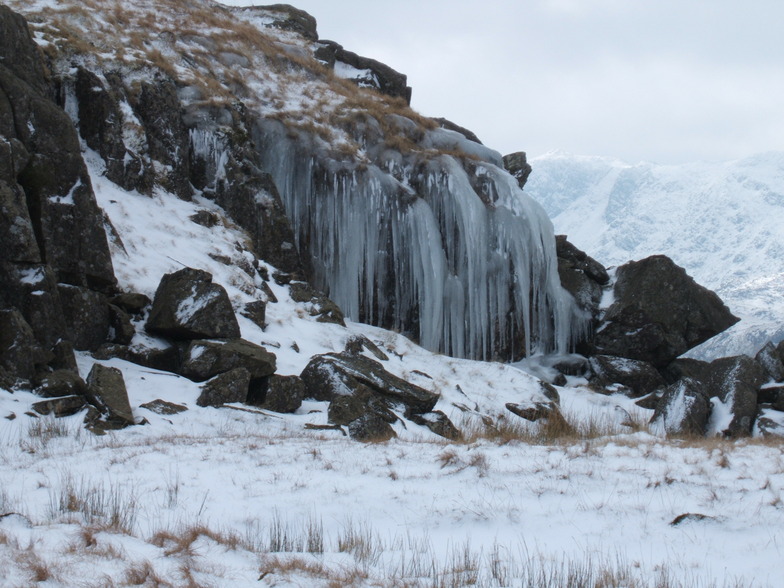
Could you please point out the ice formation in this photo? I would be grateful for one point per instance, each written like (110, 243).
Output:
(453, 254)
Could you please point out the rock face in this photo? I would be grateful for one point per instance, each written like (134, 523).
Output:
(658, 313)
(188, 305)
(51, 229)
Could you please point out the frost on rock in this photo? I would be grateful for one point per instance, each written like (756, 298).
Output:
(454, 255)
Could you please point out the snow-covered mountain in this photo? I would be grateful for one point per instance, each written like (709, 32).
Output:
(720, 221)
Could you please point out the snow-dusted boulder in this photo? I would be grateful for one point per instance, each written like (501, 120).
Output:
(106, 391)
(640, 377)
(188, 305)
(735, 382)
(684, 409)
(658, 313)
(225, 388)
(281, 394)
(204, 359)
(770, 359)
(19, 351)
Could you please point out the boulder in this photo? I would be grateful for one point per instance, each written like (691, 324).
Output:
(658, 313)
(772, 395)
(165, 359)
(339, 374)
(131, 302)
(61, 407)
(281, 394)
(256, 311)
(686, 367)
(60, 383)
(205, 359)
(371, 428)
(121, 329)
(684, 409)
(106, 391)
(580, 275)
(163, 407)
(736, 381)
(517, 165)
(188, 305)
(640, 377)
(229, 387)
(357, 343)
(532, 411)
(770, 359)
(438, 423)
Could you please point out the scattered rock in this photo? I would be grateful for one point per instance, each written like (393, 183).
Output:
(690, 517)
(226, 388)
(438, 423)
(106, 391)
(188, 305)
(357, 343)
(163, 407)
(61, 407)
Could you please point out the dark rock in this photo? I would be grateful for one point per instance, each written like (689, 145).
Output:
(205, 359)
(163, 407)
(228, 387)
(188, 305)
(773, 395)
(256, 311)
(17, 237)
(338, 374)
(684, 409)
(205, 218)
(438, 423)
(651, 401)
(346, 408)
(87, 316)
(640, 377)
(322, 307)
(106, 391)
(20, 354)
(517, 165)
(60, 383)
(573, 365)
(450, 126)
(770, 428)
(686, 367)
(382, 77)
(532, 411)
(581, 276)
(286, 18)
(63, 357)
(282, 394)
(736, 381)
(371, 428)
(768, 357)
(61, 407)
(578, 259)
(131, 302)
(357, 343)
(16, 42)
(121, 329)
(690, 517)
(166, 359)
(659, 313)
(550, 392)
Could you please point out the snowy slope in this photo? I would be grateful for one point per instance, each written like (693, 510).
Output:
(721, 221)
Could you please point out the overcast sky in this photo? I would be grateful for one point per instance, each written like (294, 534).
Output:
(658, 80)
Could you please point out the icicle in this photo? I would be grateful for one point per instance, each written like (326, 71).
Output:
(475, 278)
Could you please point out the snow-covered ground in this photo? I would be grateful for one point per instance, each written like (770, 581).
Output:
(720, 221)
(241, 497)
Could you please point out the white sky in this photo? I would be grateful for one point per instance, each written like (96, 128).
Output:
(660, 80)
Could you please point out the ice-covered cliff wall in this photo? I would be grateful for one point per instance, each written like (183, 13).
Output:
(444, 247)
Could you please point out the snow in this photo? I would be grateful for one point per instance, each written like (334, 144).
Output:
(720, 221)
(238, 481)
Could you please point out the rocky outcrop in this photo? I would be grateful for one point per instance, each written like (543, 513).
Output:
(517, 165)
(658, 313)
(188, 305)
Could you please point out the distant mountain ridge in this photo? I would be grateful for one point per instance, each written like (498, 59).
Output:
(721, 221)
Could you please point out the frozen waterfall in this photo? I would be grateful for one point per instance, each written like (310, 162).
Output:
(409, 243)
